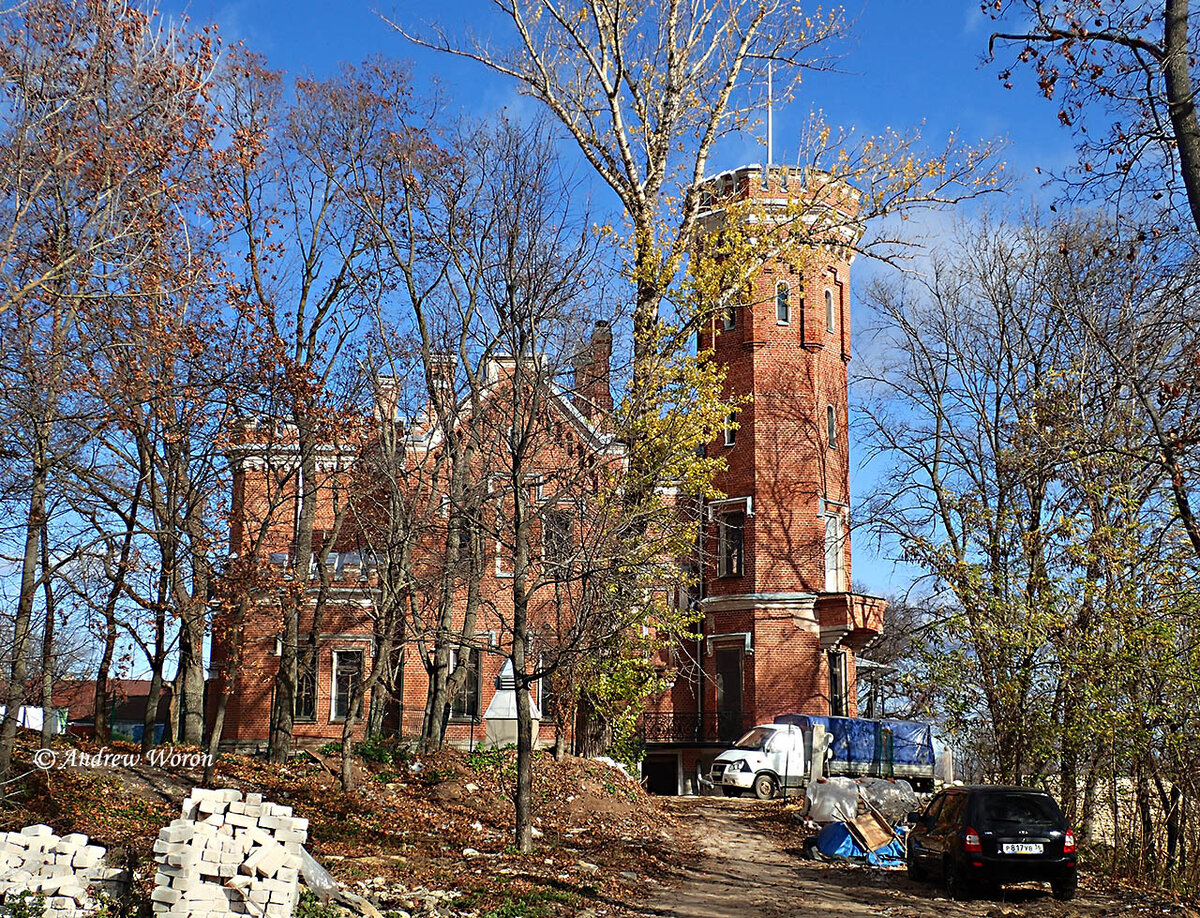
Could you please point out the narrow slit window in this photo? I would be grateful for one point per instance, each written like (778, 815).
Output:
(731, 426)
(831, 426)
(729, 318)
(829, 310)
(783, 306)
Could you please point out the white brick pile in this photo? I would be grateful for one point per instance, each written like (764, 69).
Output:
(228, 856)
(61, 869)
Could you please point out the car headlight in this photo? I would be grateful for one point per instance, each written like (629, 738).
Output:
(745, 766)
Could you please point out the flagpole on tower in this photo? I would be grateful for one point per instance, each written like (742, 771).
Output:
(770, 121)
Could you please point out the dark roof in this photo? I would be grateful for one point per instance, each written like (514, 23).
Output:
(128, 699)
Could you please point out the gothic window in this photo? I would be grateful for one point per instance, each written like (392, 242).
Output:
(730, 544)
(783, 308)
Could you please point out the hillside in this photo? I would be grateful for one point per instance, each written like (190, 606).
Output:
(427, 835)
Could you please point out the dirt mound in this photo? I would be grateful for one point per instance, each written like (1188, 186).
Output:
(434, 829)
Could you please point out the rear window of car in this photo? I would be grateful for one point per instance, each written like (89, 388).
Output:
(1019, 809)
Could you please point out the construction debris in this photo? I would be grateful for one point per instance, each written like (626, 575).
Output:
(229, 856)
(61, 869)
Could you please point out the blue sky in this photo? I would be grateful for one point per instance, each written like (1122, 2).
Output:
(909, 64)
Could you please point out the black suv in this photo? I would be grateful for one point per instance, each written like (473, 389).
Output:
(983, 836)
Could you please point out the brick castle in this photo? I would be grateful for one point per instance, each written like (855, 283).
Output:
(780, 626)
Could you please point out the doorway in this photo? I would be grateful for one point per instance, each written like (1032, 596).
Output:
(729, 693)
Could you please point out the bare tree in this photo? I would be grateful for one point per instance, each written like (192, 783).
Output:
(309, 255)
(1132, 65)
(84, 165)
(645, 90)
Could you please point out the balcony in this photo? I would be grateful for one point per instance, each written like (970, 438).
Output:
(851, 620)
(720, 728)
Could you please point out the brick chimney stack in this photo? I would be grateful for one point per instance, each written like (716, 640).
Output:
(593, 395)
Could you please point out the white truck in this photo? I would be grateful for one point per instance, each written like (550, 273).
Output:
(769, 758)
(798, 748)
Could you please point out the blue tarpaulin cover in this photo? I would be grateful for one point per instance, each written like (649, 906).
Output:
(860, 746)
(835, 841)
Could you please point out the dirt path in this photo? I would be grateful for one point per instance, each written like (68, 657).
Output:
(749, 867)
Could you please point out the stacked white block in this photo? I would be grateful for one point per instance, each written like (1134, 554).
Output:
(59, 868)
(226, 855)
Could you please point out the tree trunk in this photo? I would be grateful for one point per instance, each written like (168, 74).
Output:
(47, 640)
(1181, 101)
(14, 691)
(524, 796)
(153, 699)
(1146, 850)
(284, 707)
(228, 687)
(191, 681)
(157, 663)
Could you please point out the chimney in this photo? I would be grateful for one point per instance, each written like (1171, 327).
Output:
(593, 397)
(387, 397)
(442, 367)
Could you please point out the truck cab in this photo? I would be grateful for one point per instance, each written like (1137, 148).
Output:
(769, 757)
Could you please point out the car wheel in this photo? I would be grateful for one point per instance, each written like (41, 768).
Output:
(915, 870)
(1064, 889)
(956, 883)
(731, 791)
(764, 787)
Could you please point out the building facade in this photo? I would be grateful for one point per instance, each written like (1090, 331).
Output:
(780, 628)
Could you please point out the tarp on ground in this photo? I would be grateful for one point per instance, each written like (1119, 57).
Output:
(836, 843)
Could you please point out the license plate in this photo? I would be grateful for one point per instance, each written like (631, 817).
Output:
(1022, 848)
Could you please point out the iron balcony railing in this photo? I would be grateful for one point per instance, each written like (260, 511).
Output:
(682, 727)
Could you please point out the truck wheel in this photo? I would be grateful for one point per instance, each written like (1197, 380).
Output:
(764, 787)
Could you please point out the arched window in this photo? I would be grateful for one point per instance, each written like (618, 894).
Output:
(829, 310)
(831, 426)
(783, 308)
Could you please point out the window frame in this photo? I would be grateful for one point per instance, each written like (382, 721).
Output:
(839, 678)
(834, 553)
(783, 303)
(334, 692)
(730, 428)
(829, 311)
(831, 426)
(306, 687)
(558, 532)
(729, 318)
(731, 544)
(465, 715)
